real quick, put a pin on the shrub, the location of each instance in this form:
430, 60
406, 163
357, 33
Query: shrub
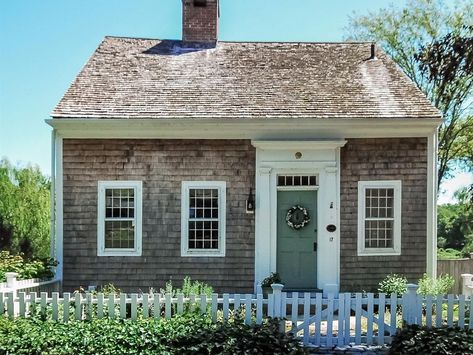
439, 286
448, 254
237, 338
414, 339
183, 334
188, 287
393, 284
41, 269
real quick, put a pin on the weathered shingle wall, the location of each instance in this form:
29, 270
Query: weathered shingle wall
161, 165
402, 159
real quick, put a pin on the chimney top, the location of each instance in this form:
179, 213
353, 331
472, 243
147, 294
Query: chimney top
200, 20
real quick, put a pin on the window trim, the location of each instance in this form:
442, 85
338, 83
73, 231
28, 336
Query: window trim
125, 184
389, 184
222, 200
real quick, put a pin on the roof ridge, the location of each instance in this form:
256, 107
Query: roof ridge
264, 42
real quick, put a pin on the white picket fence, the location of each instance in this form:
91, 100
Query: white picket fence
347, 318
28, 285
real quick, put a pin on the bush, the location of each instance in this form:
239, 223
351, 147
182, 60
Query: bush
448, 254
439, 286
188, 287
414, 339
41, 269
393, 284
183, 334
238, 338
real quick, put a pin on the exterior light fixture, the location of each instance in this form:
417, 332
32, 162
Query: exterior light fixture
250, 203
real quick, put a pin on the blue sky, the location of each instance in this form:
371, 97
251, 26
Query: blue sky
44, 44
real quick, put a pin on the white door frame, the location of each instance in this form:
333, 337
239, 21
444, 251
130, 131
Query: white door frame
321, 158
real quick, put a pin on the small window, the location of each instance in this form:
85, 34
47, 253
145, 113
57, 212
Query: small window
119, 218
297, 180
203, 218
379, 217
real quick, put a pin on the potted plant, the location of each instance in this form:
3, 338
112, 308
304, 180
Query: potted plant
274, 278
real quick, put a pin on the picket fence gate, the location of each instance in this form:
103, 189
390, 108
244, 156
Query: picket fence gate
322, 321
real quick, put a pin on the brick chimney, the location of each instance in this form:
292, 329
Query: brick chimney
199, 20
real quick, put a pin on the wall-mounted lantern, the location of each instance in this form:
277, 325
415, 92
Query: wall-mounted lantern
250, 203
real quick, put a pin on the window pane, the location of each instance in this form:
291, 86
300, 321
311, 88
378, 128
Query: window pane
297, 180
119, 234
378, 234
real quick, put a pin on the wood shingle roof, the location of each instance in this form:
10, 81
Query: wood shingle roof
145, 78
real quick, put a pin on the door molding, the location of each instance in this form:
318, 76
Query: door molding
318, 158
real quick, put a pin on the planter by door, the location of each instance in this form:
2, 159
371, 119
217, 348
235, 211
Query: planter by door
296, 255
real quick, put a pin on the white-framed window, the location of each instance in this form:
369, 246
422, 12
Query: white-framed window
203, 218
119, 218
379, 217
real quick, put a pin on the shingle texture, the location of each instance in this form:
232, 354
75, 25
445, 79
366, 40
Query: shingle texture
403, 159
162, 165
144, 78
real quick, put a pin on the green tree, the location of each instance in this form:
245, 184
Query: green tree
24, 210
431, 43
455, 224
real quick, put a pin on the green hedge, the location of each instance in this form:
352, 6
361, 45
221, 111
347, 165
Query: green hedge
414, 339
185, 334
26, 269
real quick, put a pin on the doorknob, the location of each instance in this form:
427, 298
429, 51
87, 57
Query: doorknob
315, 246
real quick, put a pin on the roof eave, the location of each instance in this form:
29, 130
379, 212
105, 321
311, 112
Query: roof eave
254, 128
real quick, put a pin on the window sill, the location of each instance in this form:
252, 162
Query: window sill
205, 253
379, 253
120, 253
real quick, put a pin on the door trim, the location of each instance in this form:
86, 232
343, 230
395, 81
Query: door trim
316, 160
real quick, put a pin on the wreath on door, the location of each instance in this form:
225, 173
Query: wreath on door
297, 217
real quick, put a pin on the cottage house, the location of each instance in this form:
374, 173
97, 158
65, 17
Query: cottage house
226, 161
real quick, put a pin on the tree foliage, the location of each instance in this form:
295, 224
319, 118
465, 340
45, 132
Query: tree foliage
431, 43
24, 211
455, 224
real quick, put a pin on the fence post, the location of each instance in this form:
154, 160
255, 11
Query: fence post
12, 286
467, 284
277, 304
409, 304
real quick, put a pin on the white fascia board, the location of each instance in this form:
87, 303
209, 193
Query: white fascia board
285, 145
255, 128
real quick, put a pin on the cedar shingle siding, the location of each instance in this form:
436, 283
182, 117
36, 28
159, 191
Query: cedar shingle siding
161, 165
402, 159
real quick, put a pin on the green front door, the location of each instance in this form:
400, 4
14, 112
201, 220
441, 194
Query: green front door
296, 257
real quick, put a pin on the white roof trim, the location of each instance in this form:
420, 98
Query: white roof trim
255, 129
285, 145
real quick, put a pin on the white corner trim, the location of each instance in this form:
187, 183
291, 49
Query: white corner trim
58, 205
222, 211
397, 186
304, 144
138, 219
432, 176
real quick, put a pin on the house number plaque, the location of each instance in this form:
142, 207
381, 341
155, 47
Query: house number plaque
331, 228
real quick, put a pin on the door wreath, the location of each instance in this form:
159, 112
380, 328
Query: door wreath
297, 217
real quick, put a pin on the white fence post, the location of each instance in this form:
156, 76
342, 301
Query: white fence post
409, 304
277, 304
12, 290
11, 280
467, 284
